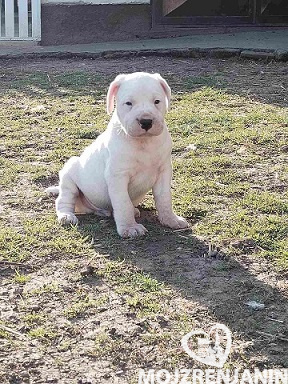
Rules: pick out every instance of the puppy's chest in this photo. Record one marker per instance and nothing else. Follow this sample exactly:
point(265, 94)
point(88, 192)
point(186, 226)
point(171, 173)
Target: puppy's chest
point(145, 171)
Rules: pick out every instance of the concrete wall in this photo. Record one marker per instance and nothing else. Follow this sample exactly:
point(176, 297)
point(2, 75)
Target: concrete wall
point(80, 23)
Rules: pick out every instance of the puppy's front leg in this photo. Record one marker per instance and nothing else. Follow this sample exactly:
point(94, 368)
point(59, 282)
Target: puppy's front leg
point(123, 209)
point(65, 203)
point(163, 200)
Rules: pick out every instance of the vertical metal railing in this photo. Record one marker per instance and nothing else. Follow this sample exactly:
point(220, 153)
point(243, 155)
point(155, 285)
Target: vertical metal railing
point(20, 19)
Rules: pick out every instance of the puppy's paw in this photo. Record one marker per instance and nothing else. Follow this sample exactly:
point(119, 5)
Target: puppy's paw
point(132, 230)
point(67, 218)
point(174, 222)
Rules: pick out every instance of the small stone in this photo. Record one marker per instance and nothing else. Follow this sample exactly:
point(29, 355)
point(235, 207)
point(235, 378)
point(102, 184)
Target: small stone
point(223, 53)
point(281, 55)
point(102, 309)
point(163, 321)
point(38, 108)
point(90, 335)
point(88, 270)
point(242, 149)
point(255, 305)
point(143, 323)
point(245, 244)
point(112, 331)
point(136, 330)
point(213, 253)
point(191, 147)
point(257, 55)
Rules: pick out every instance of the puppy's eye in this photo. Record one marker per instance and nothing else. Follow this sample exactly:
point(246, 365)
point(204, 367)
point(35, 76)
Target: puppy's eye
point(129, 103)
point(156, 101)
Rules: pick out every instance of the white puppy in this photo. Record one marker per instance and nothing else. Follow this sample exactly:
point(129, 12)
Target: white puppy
point(130, 158)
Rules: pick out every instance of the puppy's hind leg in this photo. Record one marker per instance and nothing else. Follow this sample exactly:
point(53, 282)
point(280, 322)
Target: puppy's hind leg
point(68, 194)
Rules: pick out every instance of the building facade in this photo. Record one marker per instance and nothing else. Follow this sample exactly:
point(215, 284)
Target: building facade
point(55, 22)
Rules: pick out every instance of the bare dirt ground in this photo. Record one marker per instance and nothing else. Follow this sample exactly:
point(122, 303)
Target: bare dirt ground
point(109, 338)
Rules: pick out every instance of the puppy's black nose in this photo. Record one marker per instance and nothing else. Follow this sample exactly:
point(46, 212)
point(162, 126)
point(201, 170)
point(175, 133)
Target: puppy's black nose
point(146, 124)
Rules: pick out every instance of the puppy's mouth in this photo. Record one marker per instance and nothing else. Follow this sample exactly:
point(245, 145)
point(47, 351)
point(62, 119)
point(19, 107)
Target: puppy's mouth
point(143, 127)
point(155, 130)
point(146, 127)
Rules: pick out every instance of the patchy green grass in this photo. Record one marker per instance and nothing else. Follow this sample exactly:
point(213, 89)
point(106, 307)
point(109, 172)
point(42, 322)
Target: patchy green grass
point(42, 334)
point(83, 304)
point(33, 319)
point(234, 174)
point(21, 278)
point(230, 180)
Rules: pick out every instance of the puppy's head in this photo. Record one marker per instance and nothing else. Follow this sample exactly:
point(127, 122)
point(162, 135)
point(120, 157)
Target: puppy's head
point(142, 99)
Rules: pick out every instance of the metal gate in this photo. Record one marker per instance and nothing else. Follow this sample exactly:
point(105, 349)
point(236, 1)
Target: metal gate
point(20, 19)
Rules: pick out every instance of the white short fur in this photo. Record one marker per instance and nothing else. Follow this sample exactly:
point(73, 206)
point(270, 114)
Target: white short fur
point(115, 172)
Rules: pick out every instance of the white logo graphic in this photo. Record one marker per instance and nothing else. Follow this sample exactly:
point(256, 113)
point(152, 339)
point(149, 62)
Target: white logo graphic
point(210, 348)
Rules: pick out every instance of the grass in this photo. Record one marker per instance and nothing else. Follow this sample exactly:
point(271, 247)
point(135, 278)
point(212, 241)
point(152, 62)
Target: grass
point(21, 278)
point(42, 333)
point(230, 180)
point(33, 318)
point(234, 138)
point(83, 304)
point(64, 115)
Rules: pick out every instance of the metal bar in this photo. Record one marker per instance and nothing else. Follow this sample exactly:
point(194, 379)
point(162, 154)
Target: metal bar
point(9, 19)
point(36, 19)
point(23, 18)
point(0, 18)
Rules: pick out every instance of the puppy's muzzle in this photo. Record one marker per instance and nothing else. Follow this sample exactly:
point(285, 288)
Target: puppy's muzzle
point(146, 124)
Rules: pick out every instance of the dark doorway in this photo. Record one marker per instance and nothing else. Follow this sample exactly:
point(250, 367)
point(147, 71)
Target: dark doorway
point(274, 11)
point(213, 8)
point(220, 12)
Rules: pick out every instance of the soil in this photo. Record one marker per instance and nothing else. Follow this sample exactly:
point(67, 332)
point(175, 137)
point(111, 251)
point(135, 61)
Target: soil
point(210, 287)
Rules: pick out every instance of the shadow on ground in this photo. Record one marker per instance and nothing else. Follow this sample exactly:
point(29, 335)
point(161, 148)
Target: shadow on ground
point(54, 76)
point(222, 284)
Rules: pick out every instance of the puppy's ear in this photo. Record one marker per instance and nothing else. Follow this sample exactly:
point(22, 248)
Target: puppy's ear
point(112, 91)
point(165, 87)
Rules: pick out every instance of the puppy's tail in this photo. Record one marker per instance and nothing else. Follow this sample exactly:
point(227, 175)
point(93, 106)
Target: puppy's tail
point(52, 191)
